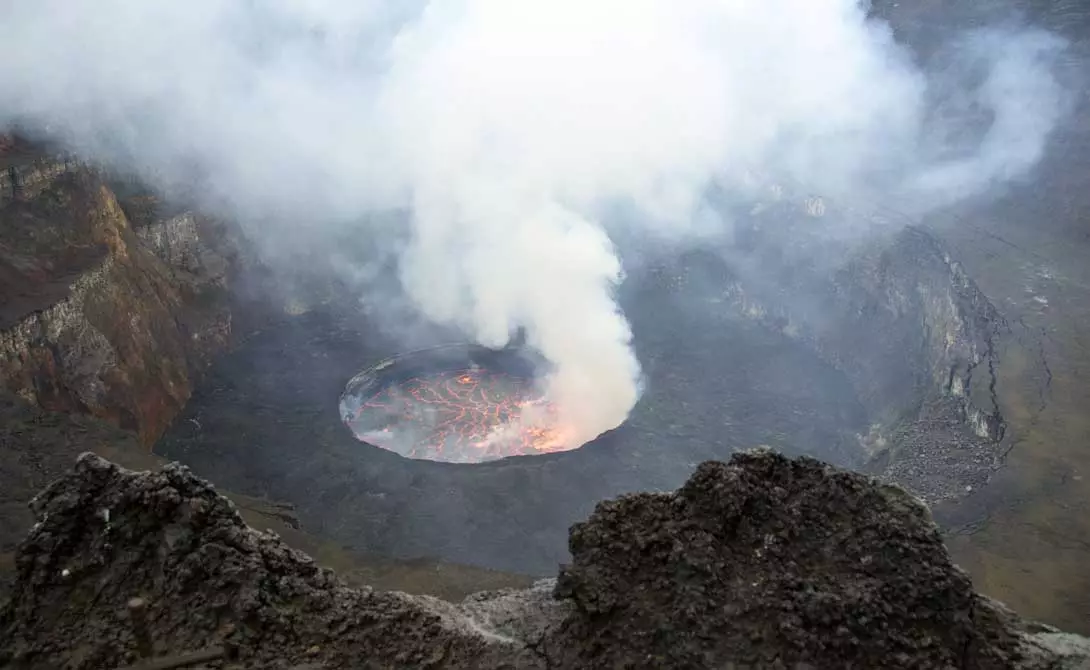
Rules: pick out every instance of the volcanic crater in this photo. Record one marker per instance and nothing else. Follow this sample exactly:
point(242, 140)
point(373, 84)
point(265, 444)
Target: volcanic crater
point(454, 403)
point(876, 359)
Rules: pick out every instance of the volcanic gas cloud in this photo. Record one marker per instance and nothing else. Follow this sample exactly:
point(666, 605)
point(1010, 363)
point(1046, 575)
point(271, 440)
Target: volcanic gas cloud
point(514, 134)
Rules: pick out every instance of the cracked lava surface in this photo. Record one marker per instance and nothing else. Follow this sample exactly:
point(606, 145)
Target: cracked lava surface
point(459, 416)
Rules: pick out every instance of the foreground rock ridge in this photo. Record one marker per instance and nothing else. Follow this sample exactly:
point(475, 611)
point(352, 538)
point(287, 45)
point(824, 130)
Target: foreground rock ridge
point(761, 562)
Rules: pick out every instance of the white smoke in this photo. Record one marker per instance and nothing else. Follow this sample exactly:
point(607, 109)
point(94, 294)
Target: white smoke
point(509, 128)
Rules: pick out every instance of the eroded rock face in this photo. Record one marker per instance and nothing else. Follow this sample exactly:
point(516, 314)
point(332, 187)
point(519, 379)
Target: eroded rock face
point(898, 315)
point(932, 324)
point(920, 341)
point(107, 535)
point(97, 317)
point(768, 561)
point(762, 562)
point(902, 320)
point(25, 172)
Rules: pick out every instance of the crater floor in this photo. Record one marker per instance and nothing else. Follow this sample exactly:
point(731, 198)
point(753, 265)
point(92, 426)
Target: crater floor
point(266, 422)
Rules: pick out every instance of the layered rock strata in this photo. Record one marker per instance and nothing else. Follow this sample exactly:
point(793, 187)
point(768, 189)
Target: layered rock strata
point(98, 315)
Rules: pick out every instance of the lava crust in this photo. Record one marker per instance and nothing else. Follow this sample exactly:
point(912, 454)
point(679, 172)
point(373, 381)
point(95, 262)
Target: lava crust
point(455, 403)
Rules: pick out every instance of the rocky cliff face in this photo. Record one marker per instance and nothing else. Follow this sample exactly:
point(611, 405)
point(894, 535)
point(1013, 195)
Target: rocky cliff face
point(761, 562)
point(26, 179)
point(100, 314)
point(935, 332)
point(900, 317)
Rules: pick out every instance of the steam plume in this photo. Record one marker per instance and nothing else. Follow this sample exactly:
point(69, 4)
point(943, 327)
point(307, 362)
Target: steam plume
point(511, 129)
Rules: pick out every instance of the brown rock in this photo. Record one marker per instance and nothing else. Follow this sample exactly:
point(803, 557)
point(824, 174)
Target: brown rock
point(97, 318)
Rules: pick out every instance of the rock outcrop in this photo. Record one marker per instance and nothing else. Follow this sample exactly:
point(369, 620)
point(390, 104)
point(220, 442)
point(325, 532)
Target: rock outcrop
point(902, 320)
point(97, 315)
point(107, 535)
point(932, 324)
point(761, 562)
point(24, 174)
point(769, 563)
point(39, 447)
point(897, 315)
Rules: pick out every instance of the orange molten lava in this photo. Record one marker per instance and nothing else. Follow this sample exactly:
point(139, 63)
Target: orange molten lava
point(462, 416)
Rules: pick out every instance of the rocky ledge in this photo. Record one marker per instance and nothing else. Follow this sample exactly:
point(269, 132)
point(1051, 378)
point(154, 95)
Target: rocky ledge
point(108, 306)
point(760, 562)
point(902, 319)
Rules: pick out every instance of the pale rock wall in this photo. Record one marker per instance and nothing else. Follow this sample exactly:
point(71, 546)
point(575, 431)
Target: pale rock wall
point(187, 242)
point(27, 179)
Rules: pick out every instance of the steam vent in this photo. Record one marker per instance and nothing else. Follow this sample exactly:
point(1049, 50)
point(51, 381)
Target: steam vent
point(457, 404)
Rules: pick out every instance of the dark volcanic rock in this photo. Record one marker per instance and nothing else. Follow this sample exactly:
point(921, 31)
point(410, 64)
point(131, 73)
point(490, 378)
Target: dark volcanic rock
point(40, 446)
point(917, 316)
point(899, 316)
point(763, 562)
point(107, 535)
point(25, 171)
point(770, 562)
point(37, 447)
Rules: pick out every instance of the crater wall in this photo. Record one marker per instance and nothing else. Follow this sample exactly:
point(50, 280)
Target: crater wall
point(98, 315)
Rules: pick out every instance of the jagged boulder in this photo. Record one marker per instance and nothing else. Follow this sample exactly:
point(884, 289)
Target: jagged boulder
point(107, 535)
point(761, 562)
point(771, 562)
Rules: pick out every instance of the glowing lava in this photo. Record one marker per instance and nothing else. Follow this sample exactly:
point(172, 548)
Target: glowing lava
point(460, 416)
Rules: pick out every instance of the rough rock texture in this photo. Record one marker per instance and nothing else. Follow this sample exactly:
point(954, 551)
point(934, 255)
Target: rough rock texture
point(180, 243)
point(40, 446)
point(943, 330)
point(919, 339)
point(903, 321)
point(768, 561)
point(899, 316)
point(99, 319)
point(25, 172)
point(763, 562)
point(107, 535)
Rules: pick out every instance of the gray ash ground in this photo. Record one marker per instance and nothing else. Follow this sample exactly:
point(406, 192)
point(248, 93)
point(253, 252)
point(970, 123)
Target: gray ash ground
point(266, 422)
